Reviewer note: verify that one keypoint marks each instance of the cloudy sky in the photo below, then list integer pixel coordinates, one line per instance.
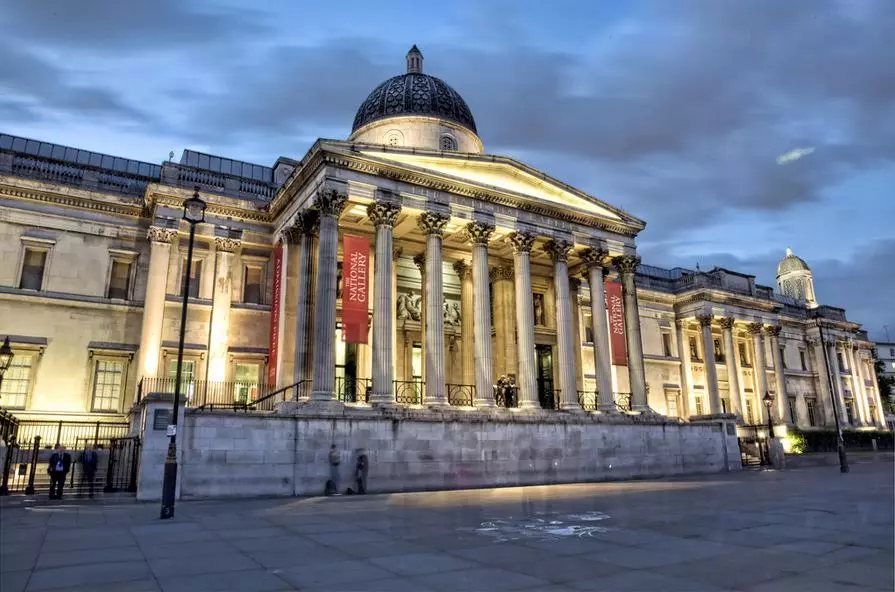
(734, 128)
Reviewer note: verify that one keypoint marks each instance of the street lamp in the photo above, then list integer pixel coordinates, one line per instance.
(840, 443)
(6, 356)
(768, 401)
(194, 213)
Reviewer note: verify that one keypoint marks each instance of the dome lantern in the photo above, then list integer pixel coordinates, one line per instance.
(794, 279)
(414, 61)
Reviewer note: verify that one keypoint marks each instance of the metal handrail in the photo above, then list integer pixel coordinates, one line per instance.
(461, 395)
(588, 400)
(409, 392)
(353, 390)
(623, 402)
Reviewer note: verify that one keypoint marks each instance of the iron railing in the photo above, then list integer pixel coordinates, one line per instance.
(353, 390)
(71, 434)
(623, 402)
(409, 392)
(461, 395)
(8, 425)
(588, 400)
(205, 393)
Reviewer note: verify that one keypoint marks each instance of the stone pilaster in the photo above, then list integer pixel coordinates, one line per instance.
(733, 373)
(525, 324)
(683, 353)
(479, 234)
(160, 240)
(836, 372)
(383, 215)
(857, 384)
(780, 401)
(565, 339)
(219, 335)
(467, 306)
(711, 371)
(627, 266)
(504, 320)
(420, 261)
(396, 255)
(433, 225)
(596, 268)
(329, 203)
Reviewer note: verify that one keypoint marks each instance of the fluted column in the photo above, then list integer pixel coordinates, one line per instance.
(467, 306)
(773, 333)
(823, 377)
(683, 353)
(761, 367)
(525, 322)
(479, 234)
(420, 261)
(160, 240)
(880, 418)
(303, 235)
(433, 225)
(627, 266)
(329, 203)
(711, 371)
(733, 375)
(596, 267)
(218, 337)
(565, 338)
(836, 371)
(857, 384)
(396, 255)
(383, 215)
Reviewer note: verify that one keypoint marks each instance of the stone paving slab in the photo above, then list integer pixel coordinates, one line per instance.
(758, 531)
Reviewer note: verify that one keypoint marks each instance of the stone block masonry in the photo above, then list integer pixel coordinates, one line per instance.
(239, 455)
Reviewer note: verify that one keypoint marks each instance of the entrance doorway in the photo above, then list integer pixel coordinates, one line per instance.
(346, 369)
(544, 357)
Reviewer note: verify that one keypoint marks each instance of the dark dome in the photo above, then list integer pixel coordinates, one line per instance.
(414, 93)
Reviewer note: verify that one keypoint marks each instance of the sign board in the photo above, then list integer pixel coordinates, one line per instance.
(616, 314)
(355, 288)
(160, 419)
(171, 431)
(274, 344)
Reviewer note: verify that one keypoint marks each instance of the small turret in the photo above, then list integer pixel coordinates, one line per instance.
(414, 61)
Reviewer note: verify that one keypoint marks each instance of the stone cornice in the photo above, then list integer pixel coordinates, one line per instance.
(73, 201)
(213, 209)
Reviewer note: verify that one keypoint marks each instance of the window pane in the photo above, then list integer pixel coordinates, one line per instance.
(252, 286)
(16, 382)
(247, 372)
(107, 381)
(33, 269)
(119, 279)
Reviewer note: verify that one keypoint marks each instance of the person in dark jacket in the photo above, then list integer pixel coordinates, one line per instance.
(60, 465)
(89, 460)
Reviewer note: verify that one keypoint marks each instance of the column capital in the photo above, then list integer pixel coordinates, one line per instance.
(330, 202)
(383, 213)
(595, 257)
(754, 328)
(705, 319)
(521, 242)
(463, 269)
(681, 323)
(502, 272)
(226, 244)
(773, 330)
(626, 264)
(479, 232)
(432, 223)
(558, 249)
(420, 261)
(574, 284)
(727, 323)
(158, 234)
(396, 253)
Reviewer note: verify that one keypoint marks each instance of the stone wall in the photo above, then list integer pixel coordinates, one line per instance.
(235, 454)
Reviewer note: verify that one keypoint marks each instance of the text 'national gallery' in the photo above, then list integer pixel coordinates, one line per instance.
(402, 267)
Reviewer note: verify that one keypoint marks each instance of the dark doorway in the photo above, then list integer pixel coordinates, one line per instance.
(544, 356)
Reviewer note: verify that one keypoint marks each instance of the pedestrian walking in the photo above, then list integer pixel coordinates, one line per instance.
(60, 464)
(360, 471)
(334, 460)
(89, 460)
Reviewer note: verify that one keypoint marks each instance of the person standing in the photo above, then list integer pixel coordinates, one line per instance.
(360, 471)
(334, 460)
(60, 464)
(89, 460)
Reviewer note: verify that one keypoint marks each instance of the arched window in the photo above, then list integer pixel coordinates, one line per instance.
(448, 143)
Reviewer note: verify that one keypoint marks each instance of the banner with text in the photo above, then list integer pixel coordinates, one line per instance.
(355, 280)
(274, 345)
(616, 313)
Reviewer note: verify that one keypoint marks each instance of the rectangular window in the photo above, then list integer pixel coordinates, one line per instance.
(892, 352)
(246, 376)
(108, 381)
(187, 377)
(251, 286)
(671, 405)
(719, 351)
(694, 349)
(33, 267)
(666, 344)
(850, 410)
(119, 280)
(792, 409)
(744, 355)
(195, 278)
(699, 407)
(812, 413)
(783, 357)
(725, 405)
(841, 361)
(17, 381)
(750, 418)
(588, 328)
(802, 361)
(416, 369)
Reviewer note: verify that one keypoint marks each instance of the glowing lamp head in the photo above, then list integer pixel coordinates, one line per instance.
(194, 209)
(6, 356)
(768, 400)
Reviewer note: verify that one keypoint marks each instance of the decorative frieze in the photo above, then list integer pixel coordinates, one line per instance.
(157, 234)
(226, 244)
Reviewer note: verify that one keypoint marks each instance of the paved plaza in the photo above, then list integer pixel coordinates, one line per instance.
(803, 529)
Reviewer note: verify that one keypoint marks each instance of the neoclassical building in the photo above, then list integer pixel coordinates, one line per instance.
(490, 283)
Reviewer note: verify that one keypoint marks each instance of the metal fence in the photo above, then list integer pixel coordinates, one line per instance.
(409, 392)
(204, 393)
(588, 400)
(71, 434)
(460, 395)
(353, 390)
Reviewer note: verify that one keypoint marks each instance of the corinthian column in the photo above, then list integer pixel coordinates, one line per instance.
(330, 204)
(479, 233)
(154, 304)
(433, 225)
(683, 353)
(831, 346)
(525, 320)
(711, 372)
(565, 338)
(858, 384)
(761, 367)
(627, 266)
(304, 234)
(218, 338)
(733, 375)
(596, 259)
(383, 215)
(467, 305)
(773, 333)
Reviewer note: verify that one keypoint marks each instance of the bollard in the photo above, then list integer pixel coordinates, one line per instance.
(29, 490)
(875, 444)
(11, 448)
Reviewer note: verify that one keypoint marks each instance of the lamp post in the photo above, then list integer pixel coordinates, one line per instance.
(840, 443)
(768, 401)
(194, 213)
(6, 356)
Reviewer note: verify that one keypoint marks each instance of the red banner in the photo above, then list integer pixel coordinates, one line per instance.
(355, 280)
(274, 345)
(616, 313)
